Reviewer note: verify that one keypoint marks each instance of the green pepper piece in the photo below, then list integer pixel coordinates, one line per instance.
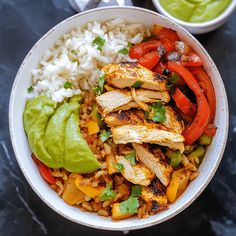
(205, 140)
(175, 158)
(96, 116)
(199, 152)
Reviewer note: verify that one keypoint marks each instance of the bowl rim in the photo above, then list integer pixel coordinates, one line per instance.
(140, 225)
(196, 25)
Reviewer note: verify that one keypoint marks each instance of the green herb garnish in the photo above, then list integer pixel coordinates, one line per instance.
(124, 51)
(119, 166)
(30, 89)
(75, 60)
(105, 135)
(136, 190)
(67, 85)
(131, 157)
(131, 205)
(157, 113)
(137, 84)
(99, 89)
(99, 42)
(130, 45)
(73, 52)
(173, 80)
(107, 193)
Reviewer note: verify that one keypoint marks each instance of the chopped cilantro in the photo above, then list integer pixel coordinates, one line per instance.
(131, 205)
(131, 157)
(99, 42)
(119, 166)
(173, 80)
(73, 52)
(67, 85)
(124, 51)
(105, 135)
(30, 89)
(107, 193)
(137, 84)
(130, 45)
(100, 87)
(136, 191)
(74, 60)
(157, 113)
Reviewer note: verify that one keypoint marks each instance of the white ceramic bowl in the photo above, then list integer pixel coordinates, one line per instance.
(199, 28)
(22, 150)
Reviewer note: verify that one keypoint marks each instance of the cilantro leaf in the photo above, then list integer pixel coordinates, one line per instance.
(158, 112)
(107, 193)
(99, 89)
(99, 42)
(137, 84)
(67, 85)
(131, 205)
(105, 135)
(73, 52)
(131, 157)
(75, 60)
(119, 166)
(130, 45)
(136, 191)
(30, 89)
(173, 80)
(124, 51)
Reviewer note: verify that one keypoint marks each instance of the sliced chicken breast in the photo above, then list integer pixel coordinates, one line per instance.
(137, 174)
(161, 169)
(172, 121)
(147, 134)
(131, 117)
(117, 98)
(155, 197)
(125, 74)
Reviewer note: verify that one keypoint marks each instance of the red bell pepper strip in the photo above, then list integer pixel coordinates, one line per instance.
(201, 120)
(183, 103)
(207, 86)
(192, 60)
(168, 45)
(150, 60)
(139, 50)
(159, 68)
(210, 130)
(44, 171)
(164, 33)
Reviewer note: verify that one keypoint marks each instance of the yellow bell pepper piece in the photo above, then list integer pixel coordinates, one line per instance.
(178, 184)
(110, 161)
(93, 127)
(72, 194)
(172, 190)
(117, 214)
(87, 189)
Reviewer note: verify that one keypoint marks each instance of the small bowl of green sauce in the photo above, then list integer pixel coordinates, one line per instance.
(197, 16)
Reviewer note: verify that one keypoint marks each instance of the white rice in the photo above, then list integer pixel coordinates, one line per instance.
(76, 60)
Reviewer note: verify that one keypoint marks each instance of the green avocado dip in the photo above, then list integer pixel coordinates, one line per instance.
(54, 135)
(195, 10)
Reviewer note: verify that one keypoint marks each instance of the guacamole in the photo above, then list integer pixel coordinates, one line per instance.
(195, 10)
(54, 135)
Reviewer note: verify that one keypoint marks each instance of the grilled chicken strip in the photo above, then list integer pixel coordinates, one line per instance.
(117, 98)
(136, 117)
(155, 197)
(125, 74)
(137, 174)
(172, 121)
(161, 169)
(148, 133)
